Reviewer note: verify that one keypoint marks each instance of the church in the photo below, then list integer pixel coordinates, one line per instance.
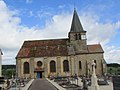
(64, 57)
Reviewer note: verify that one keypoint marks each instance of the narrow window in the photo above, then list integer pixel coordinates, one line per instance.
(95, 63)
(79, 37)
(52, 66)
(65, 66)
(80, 65)
(26, 68)
(76, 37)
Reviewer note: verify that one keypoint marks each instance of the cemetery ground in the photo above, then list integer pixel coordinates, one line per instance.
(61, 83)
(78, 84)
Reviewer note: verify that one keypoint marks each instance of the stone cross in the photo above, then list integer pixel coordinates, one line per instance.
(94, 83)
(93, 67)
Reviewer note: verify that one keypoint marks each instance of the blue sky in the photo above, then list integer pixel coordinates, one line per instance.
(44, 19)
(108, 10)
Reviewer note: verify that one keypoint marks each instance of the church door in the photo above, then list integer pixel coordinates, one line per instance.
(39, 74)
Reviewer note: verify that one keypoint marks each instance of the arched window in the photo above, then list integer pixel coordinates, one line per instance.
(26, 68)
(52, 66)
(95, 63)
(39, 63)
(80, 65)
(65, 66)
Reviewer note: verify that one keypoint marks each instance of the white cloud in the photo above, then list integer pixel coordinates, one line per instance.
(112, 54)
(45, 12)
(12, 34)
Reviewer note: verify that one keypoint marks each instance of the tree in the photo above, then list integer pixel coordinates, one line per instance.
(7, 73)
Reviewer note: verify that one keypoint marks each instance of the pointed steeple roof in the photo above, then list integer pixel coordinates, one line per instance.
(76, 25)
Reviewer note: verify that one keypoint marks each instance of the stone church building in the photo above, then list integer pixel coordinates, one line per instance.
(64, 57)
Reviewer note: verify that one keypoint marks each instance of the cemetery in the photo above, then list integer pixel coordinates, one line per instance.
(84, 83)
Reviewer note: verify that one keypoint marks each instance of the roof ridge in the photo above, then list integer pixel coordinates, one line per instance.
(47, 39)
(94, 44)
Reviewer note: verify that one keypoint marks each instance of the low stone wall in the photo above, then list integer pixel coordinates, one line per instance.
(28, 85)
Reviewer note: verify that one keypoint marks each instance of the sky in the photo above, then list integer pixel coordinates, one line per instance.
(22, 20)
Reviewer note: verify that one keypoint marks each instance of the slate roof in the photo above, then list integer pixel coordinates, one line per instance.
(76, 25)
(49, 48)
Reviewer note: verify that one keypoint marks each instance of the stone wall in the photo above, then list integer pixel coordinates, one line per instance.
(86, 60)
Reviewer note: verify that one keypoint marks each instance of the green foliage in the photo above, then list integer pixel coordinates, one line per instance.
(116, 65)
(8, 70)
(113, 70)
(7, 73)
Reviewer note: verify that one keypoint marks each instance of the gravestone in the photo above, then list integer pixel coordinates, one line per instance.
(116, 82)
(85, 86)
(105, 79)
(1, 80)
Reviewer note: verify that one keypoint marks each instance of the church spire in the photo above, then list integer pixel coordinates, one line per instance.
(76, 24)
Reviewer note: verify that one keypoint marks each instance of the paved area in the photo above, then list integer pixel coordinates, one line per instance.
(41, 84)
(27, 85)
(107, 87)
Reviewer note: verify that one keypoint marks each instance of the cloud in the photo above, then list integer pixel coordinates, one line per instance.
(61, 6)
(44, 13)
(28, 1)
(13, 34)
(112, 54)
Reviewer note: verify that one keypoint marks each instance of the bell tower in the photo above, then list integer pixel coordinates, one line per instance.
(77, 36)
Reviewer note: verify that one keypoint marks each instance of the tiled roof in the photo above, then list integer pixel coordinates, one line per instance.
(49, 48)
(43, 48)
(96, 48)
